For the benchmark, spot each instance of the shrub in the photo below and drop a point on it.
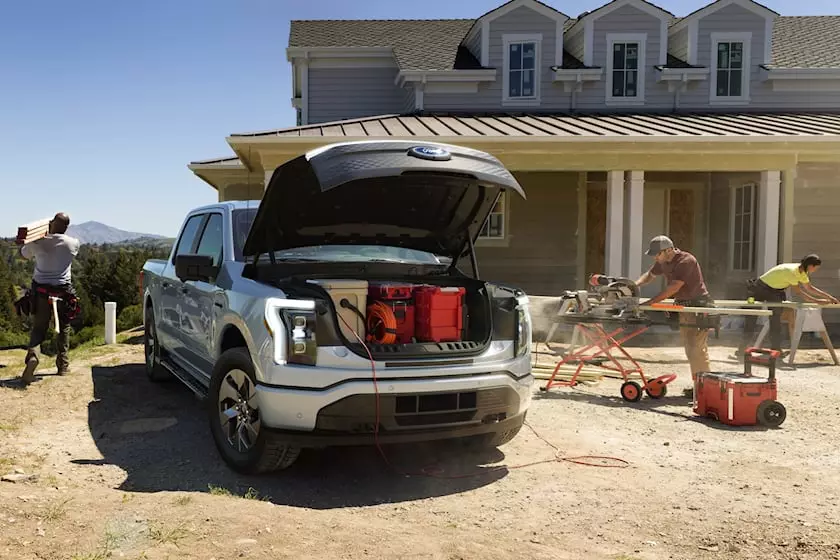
(130, 317)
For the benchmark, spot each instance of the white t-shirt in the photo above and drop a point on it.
(53, 258)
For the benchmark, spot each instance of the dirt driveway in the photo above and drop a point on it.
(109, 465)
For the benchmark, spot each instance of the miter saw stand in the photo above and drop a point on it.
(608, 300)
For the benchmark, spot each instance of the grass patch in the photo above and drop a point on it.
(9, 427)
(57, 510)
(218, 491)
(164, 535)
(183, 500)
(252, 494)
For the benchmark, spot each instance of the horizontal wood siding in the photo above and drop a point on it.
(626, 20)
(348, 93)
(735, 19)
(575, 44)
(489, 95)
(678, 44)
(816, 207)
(474, 44)
(541, 257)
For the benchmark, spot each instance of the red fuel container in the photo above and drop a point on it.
(439, 315)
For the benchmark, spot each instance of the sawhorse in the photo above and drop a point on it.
(804, 320)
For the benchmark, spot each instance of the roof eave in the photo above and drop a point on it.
(772, 73)
(425, 76)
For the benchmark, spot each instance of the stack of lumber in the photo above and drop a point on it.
(33, 231)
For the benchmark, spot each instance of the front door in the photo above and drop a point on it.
(198, 312)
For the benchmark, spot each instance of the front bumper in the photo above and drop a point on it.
(409, 409)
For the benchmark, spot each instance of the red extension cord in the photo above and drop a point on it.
(438, 473)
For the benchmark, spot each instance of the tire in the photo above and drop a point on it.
(247, 449)
(771, 414)
(631, 391)
(151, 350)
(657, 390)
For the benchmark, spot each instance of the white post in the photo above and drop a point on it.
(615, 223)
(634, 216)
(767, 242)
(110, 322)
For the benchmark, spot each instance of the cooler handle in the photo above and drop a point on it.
(751, 357)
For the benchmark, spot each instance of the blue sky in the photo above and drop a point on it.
(104, 103)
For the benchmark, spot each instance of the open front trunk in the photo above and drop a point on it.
(404, 318)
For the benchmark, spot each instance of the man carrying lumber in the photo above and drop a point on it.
(687, 287)
(771, 286)
(53, 254)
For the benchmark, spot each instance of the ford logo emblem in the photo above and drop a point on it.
(430, 152)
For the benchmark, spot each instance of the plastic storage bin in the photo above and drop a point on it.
(439, 314)
(355, 291)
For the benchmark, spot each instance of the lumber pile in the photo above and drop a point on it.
(32, 231)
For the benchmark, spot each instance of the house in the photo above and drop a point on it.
(720, 128)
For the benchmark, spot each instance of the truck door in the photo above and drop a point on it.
(171, 300)
(198, 312)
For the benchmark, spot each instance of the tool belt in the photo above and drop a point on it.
(699, 320)
(68, 304)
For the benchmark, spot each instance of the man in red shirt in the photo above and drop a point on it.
(687, 287)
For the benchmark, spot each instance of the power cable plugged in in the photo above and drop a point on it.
(436, 472)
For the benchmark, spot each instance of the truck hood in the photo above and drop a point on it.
(424, 196)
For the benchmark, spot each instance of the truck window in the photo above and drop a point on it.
(242, 221)
(187, 241)
(211, 240)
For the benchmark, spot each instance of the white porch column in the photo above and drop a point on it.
(634, 215)
(767, 237)
(613, 251)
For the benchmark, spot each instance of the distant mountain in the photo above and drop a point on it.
(95, 233)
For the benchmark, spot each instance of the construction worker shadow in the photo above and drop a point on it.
(159, 435)
(18, 384)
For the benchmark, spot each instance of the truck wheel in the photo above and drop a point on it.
(151, 347)
(234, 415)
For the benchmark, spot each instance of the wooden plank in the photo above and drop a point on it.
(32, 231)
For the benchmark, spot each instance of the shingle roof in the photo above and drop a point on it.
(747, 124)
(806, 42)
(798, 41)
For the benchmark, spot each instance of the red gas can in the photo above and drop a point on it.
(439, 313)
(739, 399)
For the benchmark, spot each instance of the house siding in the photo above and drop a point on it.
(816, 205)
(474, 45)
(489, 95)
(409, 96)
(678, 44)
(575, 44)
(347, 93)
(626, 20)
(541, 257)
(735, 19)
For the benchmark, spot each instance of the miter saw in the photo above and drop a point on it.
(608, 297)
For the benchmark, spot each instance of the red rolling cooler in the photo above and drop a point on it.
(399, 298)
(440, 315)
(739, 399)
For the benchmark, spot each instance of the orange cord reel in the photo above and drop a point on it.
(381, 324)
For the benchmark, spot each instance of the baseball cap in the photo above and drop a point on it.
(659, 243)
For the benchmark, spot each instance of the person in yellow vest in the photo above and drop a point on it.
(771, 286)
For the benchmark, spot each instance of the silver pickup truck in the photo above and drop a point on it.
(334, 312)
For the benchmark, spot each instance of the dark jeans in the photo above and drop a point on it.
(42, 314)
(762, 292)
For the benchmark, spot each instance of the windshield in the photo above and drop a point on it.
(242, 220)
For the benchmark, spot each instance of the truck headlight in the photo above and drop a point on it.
(292, 325)
(523, 331)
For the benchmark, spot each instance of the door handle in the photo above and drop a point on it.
(165, 284)
(184, 290)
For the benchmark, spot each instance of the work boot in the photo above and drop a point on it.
(28, 375)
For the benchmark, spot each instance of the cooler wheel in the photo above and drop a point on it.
(658, 388)
(771, 414)
(631, 391)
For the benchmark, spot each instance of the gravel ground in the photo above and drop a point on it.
(110, 465)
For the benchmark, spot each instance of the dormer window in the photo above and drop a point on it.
(626, 68)
(730, 67)
(522, 69)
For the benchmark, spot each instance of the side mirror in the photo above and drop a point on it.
(195, 267)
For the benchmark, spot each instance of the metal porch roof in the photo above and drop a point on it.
(543, 126)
